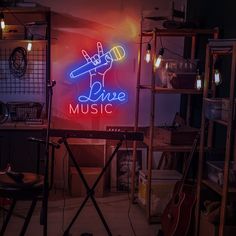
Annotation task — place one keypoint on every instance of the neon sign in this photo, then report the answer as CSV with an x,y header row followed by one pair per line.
x,y
98,99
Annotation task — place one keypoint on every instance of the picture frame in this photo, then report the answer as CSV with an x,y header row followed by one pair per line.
x,y
121,168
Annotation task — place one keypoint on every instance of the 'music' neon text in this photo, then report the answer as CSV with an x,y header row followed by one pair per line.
x,y
90,109
97,93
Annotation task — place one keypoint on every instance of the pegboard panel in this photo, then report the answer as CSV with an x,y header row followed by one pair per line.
x,y
23,73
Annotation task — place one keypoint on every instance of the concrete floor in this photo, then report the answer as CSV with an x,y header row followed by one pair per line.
x,y
120,215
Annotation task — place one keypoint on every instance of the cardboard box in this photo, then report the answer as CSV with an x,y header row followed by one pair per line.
x,y
76,185
163,182
176,135
209,229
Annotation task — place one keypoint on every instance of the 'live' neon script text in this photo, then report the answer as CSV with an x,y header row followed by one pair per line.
x,y
97,93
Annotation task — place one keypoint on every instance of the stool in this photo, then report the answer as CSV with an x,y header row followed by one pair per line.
x,y
24,186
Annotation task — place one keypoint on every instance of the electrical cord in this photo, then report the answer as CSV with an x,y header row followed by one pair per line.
x,y
18,62
128,175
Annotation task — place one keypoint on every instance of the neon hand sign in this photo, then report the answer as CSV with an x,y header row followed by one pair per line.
x,y
98,96
115,54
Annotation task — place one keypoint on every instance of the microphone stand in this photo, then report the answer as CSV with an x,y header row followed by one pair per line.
x,y
44,211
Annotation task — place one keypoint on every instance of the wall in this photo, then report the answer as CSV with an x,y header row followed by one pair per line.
x,y
78,25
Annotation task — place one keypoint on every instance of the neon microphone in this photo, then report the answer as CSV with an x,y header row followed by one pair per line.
x,y
117,53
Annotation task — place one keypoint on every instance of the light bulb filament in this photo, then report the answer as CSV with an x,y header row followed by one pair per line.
x,y
158,61
199,83
2,24
29,46
217,77
148,56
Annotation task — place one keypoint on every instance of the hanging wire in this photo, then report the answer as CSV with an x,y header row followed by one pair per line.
x,y
175,53
128,174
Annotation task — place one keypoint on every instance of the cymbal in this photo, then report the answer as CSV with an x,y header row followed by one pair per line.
x,y
156,18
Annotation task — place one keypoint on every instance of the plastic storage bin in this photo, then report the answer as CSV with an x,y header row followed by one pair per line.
x,y
163,182
213,108
225,109
215,172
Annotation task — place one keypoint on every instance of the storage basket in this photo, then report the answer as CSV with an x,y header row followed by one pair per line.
x,y
23,111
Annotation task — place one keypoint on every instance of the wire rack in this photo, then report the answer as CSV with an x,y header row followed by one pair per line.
x,y
33,82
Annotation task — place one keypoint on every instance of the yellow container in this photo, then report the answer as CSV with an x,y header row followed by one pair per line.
x,y
163,182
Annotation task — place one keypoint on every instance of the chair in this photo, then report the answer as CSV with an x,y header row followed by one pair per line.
x,y
25,186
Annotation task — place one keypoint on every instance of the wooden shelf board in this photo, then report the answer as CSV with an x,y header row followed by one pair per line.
x,y
222,122
33,9
179,32
215,187
172,90
5,41
23,126
159,146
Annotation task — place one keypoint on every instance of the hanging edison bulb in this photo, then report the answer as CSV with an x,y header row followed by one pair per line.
x,y
216,73
159,58
148,53
30,44
217,77
198,81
